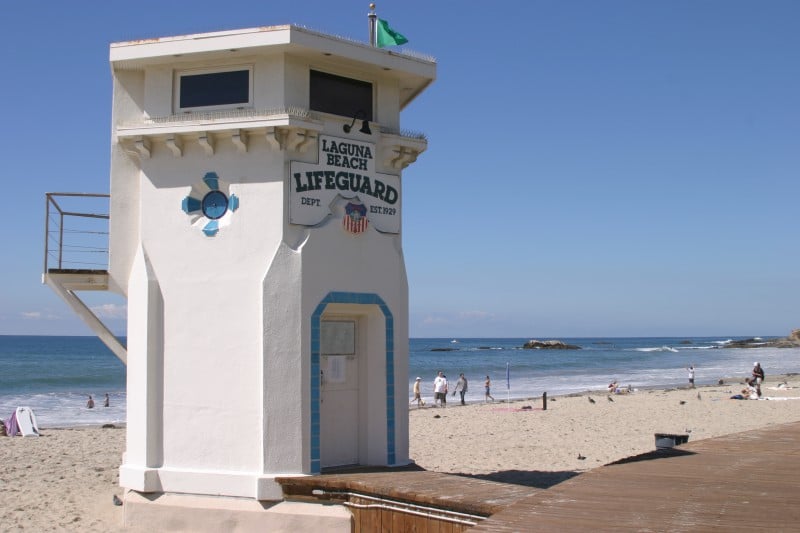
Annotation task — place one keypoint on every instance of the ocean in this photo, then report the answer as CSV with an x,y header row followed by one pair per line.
x,y
55,375
641,362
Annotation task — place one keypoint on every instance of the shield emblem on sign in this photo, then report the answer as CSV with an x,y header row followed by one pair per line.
x,y
355,218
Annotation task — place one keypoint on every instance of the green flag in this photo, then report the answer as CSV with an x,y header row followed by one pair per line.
x,y
387,36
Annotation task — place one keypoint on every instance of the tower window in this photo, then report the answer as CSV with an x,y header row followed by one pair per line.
x,y
214,89
340,96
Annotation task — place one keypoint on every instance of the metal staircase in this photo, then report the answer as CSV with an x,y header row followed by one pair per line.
x,y
76,255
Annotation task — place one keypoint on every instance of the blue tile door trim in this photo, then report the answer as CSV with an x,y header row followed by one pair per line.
x,y
316,319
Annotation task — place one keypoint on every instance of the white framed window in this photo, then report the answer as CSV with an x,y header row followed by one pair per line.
x,y
214,88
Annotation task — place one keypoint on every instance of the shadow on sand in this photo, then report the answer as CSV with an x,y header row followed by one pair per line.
x,y
527,478
545,480
656,454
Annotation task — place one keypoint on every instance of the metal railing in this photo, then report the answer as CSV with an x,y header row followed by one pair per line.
x,y
253,114
76,232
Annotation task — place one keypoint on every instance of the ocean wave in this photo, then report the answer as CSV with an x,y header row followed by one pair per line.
x,y
483,348
67,409
694,347
656,349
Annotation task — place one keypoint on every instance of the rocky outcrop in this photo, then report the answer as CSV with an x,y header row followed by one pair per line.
x,y
755,342
533,344
792,341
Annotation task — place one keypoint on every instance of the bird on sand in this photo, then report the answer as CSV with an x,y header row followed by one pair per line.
x,y
591,400
116,500
682,402
581,457
610,399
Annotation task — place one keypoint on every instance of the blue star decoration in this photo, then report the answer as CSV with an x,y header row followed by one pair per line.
x,y
211,204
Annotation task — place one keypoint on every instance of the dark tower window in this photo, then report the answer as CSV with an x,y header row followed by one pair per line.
x,y
340,96
213,89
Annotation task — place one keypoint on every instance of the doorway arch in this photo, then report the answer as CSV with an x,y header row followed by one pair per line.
x,y
316,326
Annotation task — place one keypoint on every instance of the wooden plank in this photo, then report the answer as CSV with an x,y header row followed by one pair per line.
x,y
387,518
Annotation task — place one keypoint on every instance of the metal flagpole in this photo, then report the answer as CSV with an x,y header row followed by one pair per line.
x,y
373,26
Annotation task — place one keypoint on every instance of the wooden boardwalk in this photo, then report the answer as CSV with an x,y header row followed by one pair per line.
x,y
743,482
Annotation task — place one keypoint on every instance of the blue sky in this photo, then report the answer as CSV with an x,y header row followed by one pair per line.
x,y
595,168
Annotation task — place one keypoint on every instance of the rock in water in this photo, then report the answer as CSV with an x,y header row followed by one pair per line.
x,y
534,344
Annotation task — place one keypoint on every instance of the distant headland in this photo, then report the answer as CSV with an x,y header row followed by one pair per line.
x,y
792,341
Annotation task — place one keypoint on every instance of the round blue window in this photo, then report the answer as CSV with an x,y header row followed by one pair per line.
x,y
215,204
210,204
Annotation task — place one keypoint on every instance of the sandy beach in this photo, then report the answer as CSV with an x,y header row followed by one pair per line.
x,y
66,480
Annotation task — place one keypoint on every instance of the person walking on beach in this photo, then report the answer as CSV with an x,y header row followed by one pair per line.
x,y
107,401
418,393
461,387
758,377
691,376
488,385
90,403
440,390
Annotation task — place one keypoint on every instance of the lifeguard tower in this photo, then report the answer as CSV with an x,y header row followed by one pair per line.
x,y
256,232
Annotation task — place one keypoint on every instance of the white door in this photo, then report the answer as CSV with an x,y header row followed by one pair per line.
x,y
339,393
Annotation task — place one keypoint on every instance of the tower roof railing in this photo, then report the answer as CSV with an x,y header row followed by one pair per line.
x,y
232,115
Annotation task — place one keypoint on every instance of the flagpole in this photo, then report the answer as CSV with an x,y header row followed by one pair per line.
x,y
373,26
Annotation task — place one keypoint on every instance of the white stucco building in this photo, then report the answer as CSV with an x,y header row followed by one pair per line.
x,y
256,231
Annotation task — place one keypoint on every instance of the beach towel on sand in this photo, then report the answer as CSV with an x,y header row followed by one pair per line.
x,y
11,425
